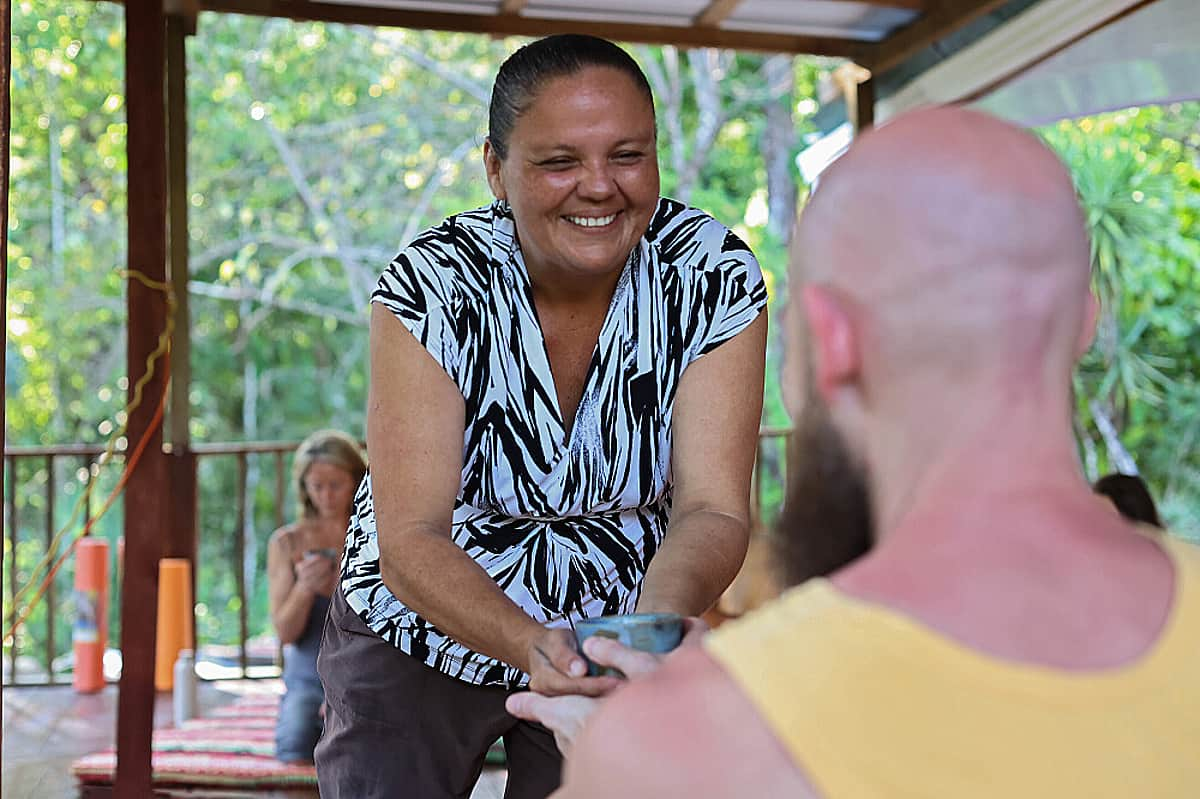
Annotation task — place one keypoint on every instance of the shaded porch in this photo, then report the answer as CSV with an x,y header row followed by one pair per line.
x,y
47,727
172,471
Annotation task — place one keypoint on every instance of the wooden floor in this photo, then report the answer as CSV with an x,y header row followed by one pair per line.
x,y
45,729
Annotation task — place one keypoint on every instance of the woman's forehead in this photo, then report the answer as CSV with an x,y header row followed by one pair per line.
x,y
583,99
325,467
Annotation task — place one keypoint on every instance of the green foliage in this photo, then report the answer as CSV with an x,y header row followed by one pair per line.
x,y
315,152
1138,177
66,225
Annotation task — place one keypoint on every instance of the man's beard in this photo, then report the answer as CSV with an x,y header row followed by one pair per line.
x,y
826,520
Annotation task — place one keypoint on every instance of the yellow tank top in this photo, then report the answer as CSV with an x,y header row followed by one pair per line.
x,y
872,704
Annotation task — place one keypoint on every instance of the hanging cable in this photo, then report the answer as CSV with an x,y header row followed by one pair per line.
x,y
55,563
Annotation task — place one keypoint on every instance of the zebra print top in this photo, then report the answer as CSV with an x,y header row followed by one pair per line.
x,y
565,528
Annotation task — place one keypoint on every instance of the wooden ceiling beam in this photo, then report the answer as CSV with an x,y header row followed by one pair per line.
x,y
516,25
908,5
938,22
716,12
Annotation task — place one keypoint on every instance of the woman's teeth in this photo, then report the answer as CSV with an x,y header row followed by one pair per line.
x,y
591,221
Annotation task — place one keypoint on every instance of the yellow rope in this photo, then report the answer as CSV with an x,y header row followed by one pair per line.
x,y
164,346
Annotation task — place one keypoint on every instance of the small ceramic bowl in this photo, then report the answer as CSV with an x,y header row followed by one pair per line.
x,y
647,632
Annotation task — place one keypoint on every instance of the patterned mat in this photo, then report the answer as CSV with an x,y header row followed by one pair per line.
x,y
233,747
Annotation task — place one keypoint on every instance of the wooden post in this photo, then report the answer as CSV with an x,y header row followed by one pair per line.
x,y
864,106
180,536
51,594
146,498
239,549
5,111
858,90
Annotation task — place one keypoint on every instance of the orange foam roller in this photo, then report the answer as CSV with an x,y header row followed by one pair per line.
x,y
174,619
89,635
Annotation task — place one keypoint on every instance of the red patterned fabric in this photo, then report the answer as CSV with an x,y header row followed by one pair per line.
x,y
234,747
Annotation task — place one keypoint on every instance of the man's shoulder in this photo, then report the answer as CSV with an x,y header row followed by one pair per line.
x,y
688,730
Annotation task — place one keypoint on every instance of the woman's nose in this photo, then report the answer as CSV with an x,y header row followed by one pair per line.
x,y
596,182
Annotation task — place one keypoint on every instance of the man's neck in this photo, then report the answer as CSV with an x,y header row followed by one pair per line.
x,y
988,533
976,453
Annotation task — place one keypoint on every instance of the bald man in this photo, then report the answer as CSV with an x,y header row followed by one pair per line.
x,y
1006,636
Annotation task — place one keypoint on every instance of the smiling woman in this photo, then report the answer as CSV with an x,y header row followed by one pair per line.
x,y
565,394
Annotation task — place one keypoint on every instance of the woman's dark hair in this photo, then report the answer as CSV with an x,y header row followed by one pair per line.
x,y
1131,497
527,70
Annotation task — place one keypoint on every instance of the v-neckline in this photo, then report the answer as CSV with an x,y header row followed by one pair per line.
x,y
545,370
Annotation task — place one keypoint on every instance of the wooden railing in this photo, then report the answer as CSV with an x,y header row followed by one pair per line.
x,y
36,482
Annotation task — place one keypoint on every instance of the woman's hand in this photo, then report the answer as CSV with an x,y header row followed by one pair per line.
x,y
317,574
566,715
557,669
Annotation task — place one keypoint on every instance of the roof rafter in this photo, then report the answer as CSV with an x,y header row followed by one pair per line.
x,y
516,25
716,12
934,24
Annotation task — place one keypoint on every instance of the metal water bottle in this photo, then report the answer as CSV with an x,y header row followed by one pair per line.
x,y
184,689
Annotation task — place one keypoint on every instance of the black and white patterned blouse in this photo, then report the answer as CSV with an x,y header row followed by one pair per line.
x,y
564,528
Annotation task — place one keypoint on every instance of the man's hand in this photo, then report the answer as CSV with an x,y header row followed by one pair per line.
x,y
566,715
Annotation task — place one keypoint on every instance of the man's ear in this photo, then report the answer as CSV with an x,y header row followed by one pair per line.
x,y
491,163
834,347
1087,333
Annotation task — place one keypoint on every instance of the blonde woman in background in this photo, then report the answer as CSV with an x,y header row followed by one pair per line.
x,y
302,569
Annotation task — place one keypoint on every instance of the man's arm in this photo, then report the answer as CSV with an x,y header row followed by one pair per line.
x,y
686,730
715,437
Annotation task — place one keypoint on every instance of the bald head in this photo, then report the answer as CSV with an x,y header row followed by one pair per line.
x,y
954,243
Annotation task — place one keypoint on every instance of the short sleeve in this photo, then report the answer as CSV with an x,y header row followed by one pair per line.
x,y
422,294
733,295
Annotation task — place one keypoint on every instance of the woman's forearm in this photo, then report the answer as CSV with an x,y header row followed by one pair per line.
x,y
699,557
432,575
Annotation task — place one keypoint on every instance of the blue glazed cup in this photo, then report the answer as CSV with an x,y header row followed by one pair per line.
x,y
647,632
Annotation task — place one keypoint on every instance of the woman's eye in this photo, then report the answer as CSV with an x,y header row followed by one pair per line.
x,y
557,163
628,157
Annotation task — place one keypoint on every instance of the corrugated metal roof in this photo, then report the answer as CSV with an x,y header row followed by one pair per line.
x,y
867,31
843,19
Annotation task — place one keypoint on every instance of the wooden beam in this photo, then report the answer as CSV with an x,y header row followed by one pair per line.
x,y
908,5
716,12
188,10
1070,41
179,539
514,25
939,22
179,415
5,124
145,494
864,106
857,88
512,6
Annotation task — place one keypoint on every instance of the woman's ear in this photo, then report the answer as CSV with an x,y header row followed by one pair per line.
x,y
492,163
